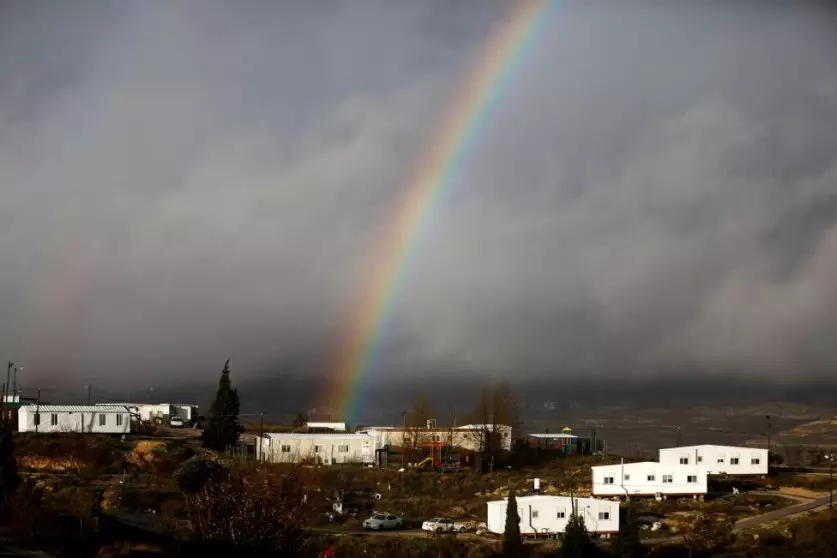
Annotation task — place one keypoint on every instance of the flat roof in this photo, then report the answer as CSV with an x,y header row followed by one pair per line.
x,y
75,408
322,436
550,436
706,446
546,498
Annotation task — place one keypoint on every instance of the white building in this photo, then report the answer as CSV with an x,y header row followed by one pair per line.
x,y
469,437
327,449
649,478
96,419
730,460
543,514
185,411
159,411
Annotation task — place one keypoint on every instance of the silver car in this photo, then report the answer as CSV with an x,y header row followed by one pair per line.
x,y
383,521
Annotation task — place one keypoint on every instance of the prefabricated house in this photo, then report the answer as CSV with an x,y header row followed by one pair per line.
x,y
185,411
157,411
470,437
326,449
95,419
718,460
649,478
544,515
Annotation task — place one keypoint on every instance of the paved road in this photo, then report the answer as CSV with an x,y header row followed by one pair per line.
x,y
750,522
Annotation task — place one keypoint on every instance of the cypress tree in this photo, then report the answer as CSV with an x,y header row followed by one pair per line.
x,y
512,543
9,478
575,540
222,427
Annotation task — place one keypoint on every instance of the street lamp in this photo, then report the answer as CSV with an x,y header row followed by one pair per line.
x,y
830,458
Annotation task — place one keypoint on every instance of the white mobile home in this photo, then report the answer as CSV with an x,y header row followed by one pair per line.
x,y
327,449
95,419
545,515
471,437
717,460
649,478
147,411
185,411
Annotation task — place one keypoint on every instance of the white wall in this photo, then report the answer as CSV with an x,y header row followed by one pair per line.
x,y
466,437
81,421
184,411
648,478
549,514
731,460
322,448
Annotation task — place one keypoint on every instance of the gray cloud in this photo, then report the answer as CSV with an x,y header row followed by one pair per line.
x,y
180,183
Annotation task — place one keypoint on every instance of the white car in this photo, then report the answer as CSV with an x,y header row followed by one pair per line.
x,y
441,525
383,521
176,422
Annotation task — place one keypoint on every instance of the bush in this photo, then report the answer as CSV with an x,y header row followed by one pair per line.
x,y
196,472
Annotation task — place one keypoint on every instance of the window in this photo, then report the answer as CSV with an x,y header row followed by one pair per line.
x,y
733,461
343,448
627,477
755,461
561,514
318,449
684,460
534,514
286,449
667,479
691,479
37,419
608,480
53,419
102,420
700,459
651,478
721,459
605,515
119,420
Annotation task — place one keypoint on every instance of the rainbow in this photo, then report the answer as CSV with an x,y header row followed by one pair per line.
x,y
434,174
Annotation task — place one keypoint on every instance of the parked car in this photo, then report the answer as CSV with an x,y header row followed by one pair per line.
x,y
176,422
439,525
383,521
461,527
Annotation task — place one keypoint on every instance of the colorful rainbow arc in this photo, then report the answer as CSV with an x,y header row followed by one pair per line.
x,y
434,174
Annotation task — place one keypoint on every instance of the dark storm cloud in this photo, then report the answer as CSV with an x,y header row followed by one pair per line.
x,y
185,182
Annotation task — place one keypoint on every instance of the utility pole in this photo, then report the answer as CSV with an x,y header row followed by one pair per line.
x,y
678,436
769,428
89,388
403,437
38,411
8,381
261,436
831,484
14,390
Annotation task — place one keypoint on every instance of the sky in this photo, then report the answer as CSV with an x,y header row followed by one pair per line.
x,y
184,182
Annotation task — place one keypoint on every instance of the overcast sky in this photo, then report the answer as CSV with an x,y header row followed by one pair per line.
x,y
182,182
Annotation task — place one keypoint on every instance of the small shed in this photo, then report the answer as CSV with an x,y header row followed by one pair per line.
x,y
548,515
96,419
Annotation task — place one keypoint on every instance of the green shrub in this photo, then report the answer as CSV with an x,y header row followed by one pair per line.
x,y
196,472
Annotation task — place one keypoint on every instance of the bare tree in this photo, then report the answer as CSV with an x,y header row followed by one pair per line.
x,y
257,512
496,408
417,433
